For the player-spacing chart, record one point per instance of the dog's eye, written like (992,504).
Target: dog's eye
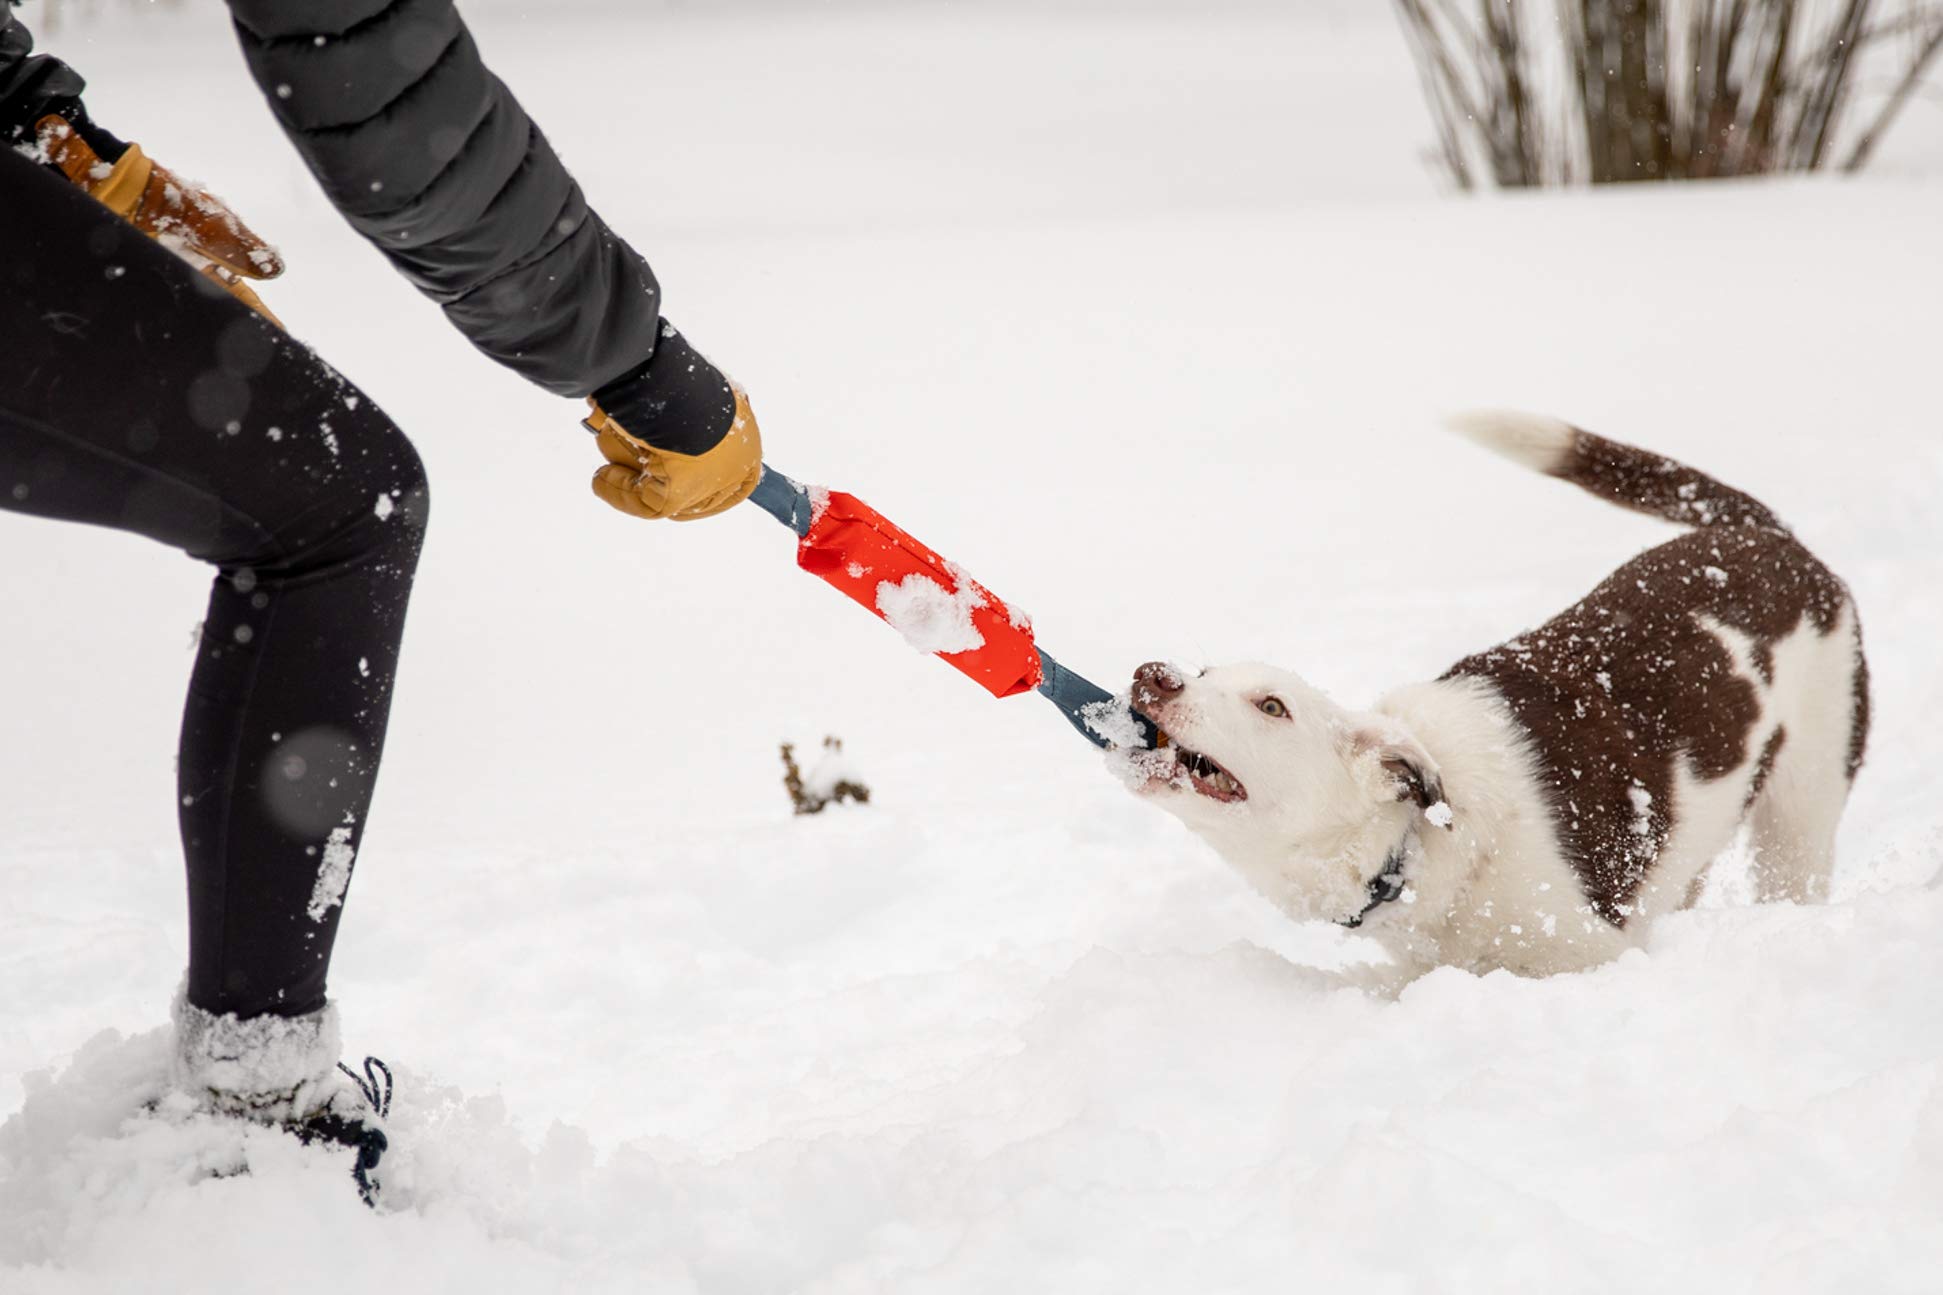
(1272,706)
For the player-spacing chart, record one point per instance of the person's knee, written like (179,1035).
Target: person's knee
(372,507)
(405,492)
(391,514)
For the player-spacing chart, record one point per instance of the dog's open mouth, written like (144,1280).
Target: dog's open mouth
(1207,777)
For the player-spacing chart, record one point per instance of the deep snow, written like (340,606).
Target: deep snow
(1147,320)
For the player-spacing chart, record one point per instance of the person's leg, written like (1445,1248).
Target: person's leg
(136,395)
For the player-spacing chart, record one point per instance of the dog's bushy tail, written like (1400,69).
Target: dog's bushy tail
(1621,474)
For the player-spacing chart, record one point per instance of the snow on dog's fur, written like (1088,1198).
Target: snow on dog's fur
(1536,806)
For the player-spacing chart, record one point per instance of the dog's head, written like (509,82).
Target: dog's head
(1306,799)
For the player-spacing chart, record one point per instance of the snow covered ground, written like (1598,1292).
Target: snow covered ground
(1146,319)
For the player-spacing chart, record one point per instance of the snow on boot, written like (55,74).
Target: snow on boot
(272,1069)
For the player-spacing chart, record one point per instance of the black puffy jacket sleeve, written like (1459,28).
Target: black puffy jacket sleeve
(31,85)
(430,157)
(34,85)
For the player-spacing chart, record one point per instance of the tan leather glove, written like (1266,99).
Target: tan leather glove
(643,481)
(185,218)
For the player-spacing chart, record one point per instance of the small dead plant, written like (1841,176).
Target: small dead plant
(830,780)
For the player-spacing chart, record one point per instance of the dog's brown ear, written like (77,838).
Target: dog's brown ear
(1417,779)
(1409,766)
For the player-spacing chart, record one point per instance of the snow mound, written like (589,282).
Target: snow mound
(1203,1120)
(111,1181)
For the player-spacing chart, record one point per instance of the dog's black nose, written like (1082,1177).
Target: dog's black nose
(1156,681)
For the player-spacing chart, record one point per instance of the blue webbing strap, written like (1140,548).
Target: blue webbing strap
(783,500)
(1075,694)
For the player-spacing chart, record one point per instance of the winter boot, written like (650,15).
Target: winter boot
(284,1072)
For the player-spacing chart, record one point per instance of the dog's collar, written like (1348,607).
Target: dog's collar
(1386,885)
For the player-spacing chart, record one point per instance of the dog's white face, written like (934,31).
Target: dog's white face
(1304,798)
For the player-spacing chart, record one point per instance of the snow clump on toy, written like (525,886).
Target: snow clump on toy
(930,617)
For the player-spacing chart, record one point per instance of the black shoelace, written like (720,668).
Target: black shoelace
(375,1092)
(368,1140)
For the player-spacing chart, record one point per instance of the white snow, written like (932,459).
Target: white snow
(1174,386)
(819,497)
(832,765)
(333,874)
(930,617)
(1642,801)
(1113,720)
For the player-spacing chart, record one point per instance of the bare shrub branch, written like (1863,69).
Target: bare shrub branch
(1533,92)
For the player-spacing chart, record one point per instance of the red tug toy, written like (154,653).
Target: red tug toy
(858,550)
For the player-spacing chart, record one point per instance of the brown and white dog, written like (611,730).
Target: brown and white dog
(1540,803)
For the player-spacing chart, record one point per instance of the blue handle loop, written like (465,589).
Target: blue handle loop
(1074,695)
(783,500)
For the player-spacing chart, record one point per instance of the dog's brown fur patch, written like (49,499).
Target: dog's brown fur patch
(1859,724)
(1617,687)
(1764,767)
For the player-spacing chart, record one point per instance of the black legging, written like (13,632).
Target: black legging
(136,395)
